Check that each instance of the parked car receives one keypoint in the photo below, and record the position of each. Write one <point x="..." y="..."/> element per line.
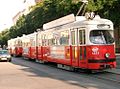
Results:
<point x="5" y="56"/>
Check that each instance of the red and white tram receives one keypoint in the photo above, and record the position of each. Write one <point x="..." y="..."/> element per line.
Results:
<point x="15" y="46"/>
<point x="85" y="42"/>
<point x="11" y="46"/>
<point x="29" y="46"/>
<point x="78" y="42"/>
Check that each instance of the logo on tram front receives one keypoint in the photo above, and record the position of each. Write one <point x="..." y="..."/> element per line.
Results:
<point x="95" y="51"/>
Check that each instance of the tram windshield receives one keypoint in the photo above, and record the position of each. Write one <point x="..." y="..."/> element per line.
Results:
<point x="101" y="37"/>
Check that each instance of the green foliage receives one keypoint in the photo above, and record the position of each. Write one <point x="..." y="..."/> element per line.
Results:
<point x="4" y="36"/>
<point x="49" y="10"/>
<point x="108" y="9"/>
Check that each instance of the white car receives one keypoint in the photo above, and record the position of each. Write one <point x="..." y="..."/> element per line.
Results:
<point x="5" y="56"/>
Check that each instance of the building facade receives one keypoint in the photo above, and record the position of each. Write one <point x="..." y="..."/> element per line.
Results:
<point x="26" y="5"/>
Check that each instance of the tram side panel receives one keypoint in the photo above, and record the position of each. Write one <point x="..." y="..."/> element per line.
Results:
<point x="39" y="53"/>
<point x="60" y="51"/>
<point x="32" y="47"/>
<point x="15" y="46"/>
<point x="25" y="52"/>
<point x="77" y="56"/>
<point x="74" y="56"/>
<point x="57" y="54"/>
<point x="18" y="51"/>
<point x="32" y="53"/>
<point x="49" y="48"/>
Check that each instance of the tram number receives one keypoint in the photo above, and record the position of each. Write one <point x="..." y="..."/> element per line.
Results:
<point x="95" y="51"/>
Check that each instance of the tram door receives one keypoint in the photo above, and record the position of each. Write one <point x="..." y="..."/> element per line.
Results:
<point x="74" y="47"/>
<point x="78" y="47"/>
<point x="81" y="39"/>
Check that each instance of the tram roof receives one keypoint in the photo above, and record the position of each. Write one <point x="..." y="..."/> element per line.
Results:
<point x="72" y="21"/>
<point x="96" y="20"/>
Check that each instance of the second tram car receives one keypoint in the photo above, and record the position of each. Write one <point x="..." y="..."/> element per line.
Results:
<point x="29" y="46"/>
<point x="85" y="42"/>
<point x="15" y="46"/>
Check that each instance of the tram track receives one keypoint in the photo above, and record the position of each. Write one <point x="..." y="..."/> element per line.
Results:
<point x="108" y="76"/>
<point x="80" y="79"/>
<point x="20" y="62"/>
<point x="105" y="75"/>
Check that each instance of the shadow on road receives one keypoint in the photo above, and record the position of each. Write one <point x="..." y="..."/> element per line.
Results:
<point x="34" y="69"/>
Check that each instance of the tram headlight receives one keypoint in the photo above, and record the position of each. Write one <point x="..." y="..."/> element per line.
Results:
<point x="107" y="55"/>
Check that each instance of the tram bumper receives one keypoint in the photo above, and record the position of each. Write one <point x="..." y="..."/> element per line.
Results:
<point x="101" y="64"/>
<point x="106" y="66"/>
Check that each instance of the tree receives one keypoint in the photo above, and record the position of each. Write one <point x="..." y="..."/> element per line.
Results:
<point x="49" y="10"/>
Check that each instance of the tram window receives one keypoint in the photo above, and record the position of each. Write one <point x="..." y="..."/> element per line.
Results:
<point x="44" y="39"/>
<point x="23" y="44"/>
<point x="50" y="37"/>
<point x="20" y="43"/>
<point x="39" y="40"/>
<point x="33" y="43"/>
<point x="101" y="37"/>
<point x="56" y="38"/>
<point x="53" y="41"/>
<point x="27" y="44"/>
<point x="50" y="41"/>
<point x="73" y="37"/>
<point x="81" y="36"/>
<point x="64" y="38"/>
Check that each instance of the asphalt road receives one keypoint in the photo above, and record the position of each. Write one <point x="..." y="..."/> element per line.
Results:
<point x="23" y="74"/>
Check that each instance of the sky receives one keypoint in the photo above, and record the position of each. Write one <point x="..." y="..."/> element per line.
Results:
<point x="8" y="9"/>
